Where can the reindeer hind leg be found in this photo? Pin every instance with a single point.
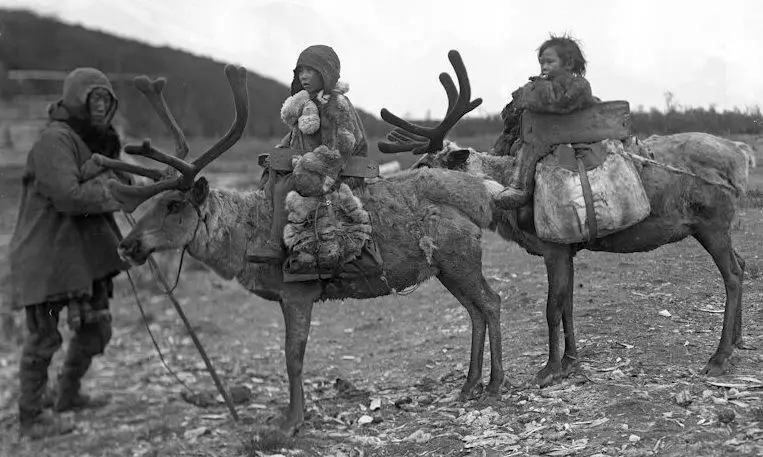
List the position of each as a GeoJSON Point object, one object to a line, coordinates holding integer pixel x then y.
{"type": "Point", "coordinates": [718, 244]}
{"type": "Point", "coordinates": [737, 339]}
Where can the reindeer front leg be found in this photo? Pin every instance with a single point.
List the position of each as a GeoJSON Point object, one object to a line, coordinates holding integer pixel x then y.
{"type": "Point", "coordinates": [558, 258]}
{"type": "Point", "coordinates": [297, 307]}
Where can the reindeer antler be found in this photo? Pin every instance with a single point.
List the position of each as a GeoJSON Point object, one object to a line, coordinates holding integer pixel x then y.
{"type": "Point", "coordinates": [411, 137]}
{"type": "Point", "coordinates": [132, 196]}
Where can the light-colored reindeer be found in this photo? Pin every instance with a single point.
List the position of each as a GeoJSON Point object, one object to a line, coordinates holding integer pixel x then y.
{"type": "Point", "coordinates": [427, 223]}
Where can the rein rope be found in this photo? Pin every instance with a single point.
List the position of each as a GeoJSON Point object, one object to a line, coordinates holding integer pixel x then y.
{"type": "Point", "coordinates": [151, 335]}
{"type": "Point", "coordinates": [185, 247]}
{"type": "Point", "coordinates": [168, 291]}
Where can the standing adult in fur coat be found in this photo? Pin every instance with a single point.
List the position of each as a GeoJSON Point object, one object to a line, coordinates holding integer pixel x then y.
{"type": "Point", "coordinates": [63, 253]}
{"type": "Point", "coordinates": [336, 131]}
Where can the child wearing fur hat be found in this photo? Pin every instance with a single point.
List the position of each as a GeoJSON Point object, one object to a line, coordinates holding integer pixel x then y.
{"type": "Point", "coordinates": [322, 120]}
{"type": "Point", "coordinates": [561, 88]}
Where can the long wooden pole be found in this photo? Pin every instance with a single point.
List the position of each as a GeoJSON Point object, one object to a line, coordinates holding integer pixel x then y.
{"type": "Point", "coordinates": [166, 287]}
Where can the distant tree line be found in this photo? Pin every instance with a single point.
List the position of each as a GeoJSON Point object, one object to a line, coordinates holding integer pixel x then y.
{"type": "Point", "coordinates": [198, 94]}
{"type": "Point", "coordinates": [674, 118]}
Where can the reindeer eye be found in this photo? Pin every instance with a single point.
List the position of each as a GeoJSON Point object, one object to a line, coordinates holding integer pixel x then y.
{"type": "Point", "coordinates": [174, 206]}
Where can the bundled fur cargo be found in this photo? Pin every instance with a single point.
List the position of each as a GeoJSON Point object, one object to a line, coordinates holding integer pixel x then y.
{"type": "Point", "coordinates": [618, 196]}
{"type": "Point", "coordinates": [325, 232]}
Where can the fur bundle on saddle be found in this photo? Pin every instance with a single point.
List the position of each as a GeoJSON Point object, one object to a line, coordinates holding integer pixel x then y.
{"type": "Point", "coordinates": [587, 187]}
{"type": "Point", "coordinates": [587, 191]}
{"type": "Point", "coordinates": [325, 232]}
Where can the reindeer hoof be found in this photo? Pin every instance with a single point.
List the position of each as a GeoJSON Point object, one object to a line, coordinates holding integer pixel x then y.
{"type": "Point", "coordinates": [740, 344]}
{"type": "Point", "coordinates": [547, 376]}
{"type": "Point", "coordinates": [471, 392]}
{"type": "Point", "coordinates": [286, 423]}
{"type": "Point", "coordinates": [717, 366]}
{"type": "Point", "coordinates": [569, 365]}
{"type": "Point", "coordinates": [489, 400]}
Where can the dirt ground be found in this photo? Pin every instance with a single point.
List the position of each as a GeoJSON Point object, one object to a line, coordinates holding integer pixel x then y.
{"type": "Point", "coordinates": [382, 374]}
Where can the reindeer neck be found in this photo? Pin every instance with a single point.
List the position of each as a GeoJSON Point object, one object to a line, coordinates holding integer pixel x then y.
{"type": "Point", "coordinates": [231, 222]}
{"type": "Point", "coordinates": [499, 168]}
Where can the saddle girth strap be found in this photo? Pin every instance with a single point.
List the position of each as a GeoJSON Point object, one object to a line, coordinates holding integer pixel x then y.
{"type": "Point", "coordinates": [280, 159]}
{"type": "Point", "coordinates": [593, 228]}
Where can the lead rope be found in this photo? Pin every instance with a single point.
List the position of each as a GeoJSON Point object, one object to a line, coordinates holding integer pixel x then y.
{"type": "Point", "coordinates": [160, 279]}
{"type": "Point", "coordinates": [151, 334]}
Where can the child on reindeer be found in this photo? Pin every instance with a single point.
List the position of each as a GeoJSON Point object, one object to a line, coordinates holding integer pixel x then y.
{"type": "Point", "coordinates": [561, 88]}
{"type": "Point", "coordinates": [325, 126]}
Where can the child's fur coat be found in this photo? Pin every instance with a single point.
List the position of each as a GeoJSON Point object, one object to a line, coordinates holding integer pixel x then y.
{"type": "Point", "coordinates": [560, 93]}
{"type": "Point", "coordinates": [324, 235]}
{"type": "Point", "coordinates": [339, 136]}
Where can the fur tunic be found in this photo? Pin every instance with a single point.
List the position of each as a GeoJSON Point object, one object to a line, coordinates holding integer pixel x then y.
{"type": "Point", "coordinates": [340, 136]}
{"type": "Point", "coordinates": [561, 93]}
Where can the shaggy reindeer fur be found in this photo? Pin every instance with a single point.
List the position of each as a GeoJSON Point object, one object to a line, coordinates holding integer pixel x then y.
{"type": "Point", "coordinates": [693, 183]}
{"type": "Point", "coordinates": [426, 223]}
{"type": "Point", "coordinates": [749, 152]}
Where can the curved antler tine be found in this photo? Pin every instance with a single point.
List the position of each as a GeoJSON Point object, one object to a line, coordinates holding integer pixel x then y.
{"type": "Point", "coordinates": [453, 94]}
{"type": "Point", "coordinates": [153, 91]}
{"type": "Point", "coordinates": [450, 89]}
{"type": "Point", "coordinates": [386, 147]}
{"type": "Point", "coordinates": [132, 196]}
{"type": "Point", "coordinates": [458, 106]}
{"type": "Point", "coordinates": [115, 164]}
{"type": "Point", "coordinates": [146, 150]}
{"type": "Point", "coordinates": [463, 105]}
{"type": "Point", "coordinates": [464, 88]}
{"type": "Point", "coordinates": [398, 134]}
{"type": "Point", "coordinates": [403, 124]}
{"type": "Point", "coordinates": [400, 140]}
{"type": "Point", "coordinates": [237, 81]}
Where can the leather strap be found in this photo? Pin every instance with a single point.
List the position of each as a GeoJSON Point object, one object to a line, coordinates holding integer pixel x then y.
{"type": "Point", "coordinates": [593, 228]}
{"type": "Point", "coordinates": [599, 122]}
{"type": "Point", "coordinates": [356, 166]}
{"type": "Point", "coordinates": [360, 167]}
{"type": "Point", "coordinates": [280, 159]}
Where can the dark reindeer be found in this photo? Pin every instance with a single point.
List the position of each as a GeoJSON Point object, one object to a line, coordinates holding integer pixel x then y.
{"type": "Point", "coordinates": [683, 204]}
{"type": "Point", "coordinates": [427, 223]}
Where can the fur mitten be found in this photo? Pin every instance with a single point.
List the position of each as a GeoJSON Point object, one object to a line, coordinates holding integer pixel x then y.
{"type": "Point", "coordinates": [316, 171]}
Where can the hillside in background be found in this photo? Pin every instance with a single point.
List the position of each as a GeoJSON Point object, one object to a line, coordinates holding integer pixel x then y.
{"type": "Point", "coordinates": [197, 91]}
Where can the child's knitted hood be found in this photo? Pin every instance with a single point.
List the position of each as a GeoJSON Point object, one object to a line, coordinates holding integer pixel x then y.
{"type": "Point", "coordinates": [324, 60]}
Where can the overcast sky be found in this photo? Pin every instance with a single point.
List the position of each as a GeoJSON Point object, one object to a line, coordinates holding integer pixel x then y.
{"type": "Point", "coordinates": [704, 51]}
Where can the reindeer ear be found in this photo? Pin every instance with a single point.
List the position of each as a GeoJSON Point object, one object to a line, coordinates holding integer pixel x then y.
{"type": "Point", "coordinates": [425, 161]}
{"type": "Point", "coordinates": [200, 190]}
{"type": "Point", "coordinates": [457, 158]}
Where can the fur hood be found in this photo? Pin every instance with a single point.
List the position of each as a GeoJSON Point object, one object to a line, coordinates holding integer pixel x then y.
{"type": "Point", "coordinates": [77, 87]}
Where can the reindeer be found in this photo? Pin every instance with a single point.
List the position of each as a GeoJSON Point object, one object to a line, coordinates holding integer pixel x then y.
{"type": "Point", "coordinates": [427, 223]}
{"type": "Point", "coordinates": [684, 202]}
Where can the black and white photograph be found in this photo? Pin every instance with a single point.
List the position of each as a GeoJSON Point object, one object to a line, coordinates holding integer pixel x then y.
{"type": "Point", "coordinates": [381, 228]}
